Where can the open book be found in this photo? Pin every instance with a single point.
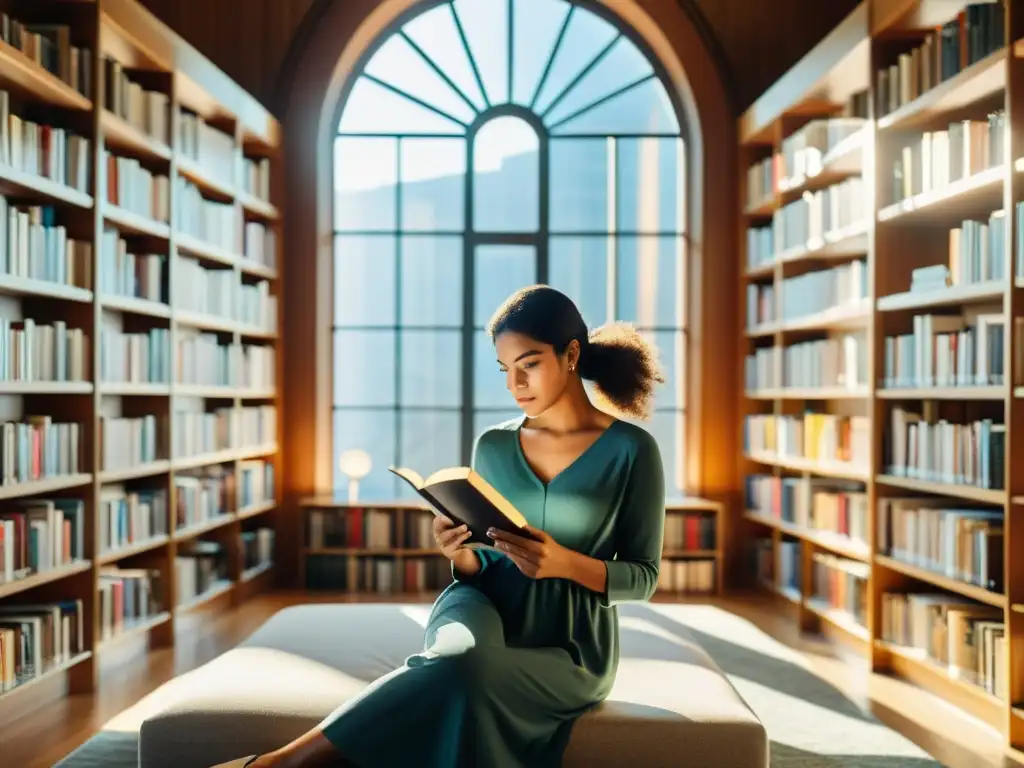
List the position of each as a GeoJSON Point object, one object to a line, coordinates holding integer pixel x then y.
{"type": "Point", "coordinates": [465, 498]}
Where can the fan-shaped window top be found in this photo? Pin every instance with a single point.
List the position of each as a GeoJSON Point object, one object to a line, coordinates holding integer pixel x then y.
{"type": "Point", "coordinates": [577, 72]}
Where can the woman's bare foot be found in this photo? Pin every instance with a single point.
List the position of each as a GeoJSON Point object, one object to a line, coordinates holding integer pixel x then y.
{"type": "Point", "coordinates": [311, 750]}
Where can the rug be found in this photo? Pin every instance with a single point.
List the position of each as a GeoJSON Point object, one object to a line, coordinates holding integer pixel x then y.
{"type": "Point", "coordinates": [811, 723]}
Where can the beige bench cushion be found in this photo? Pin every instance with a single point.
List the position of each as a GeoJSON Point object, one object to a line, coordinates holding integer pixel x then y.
{"type": "Point", "coordinates": [671, 705]}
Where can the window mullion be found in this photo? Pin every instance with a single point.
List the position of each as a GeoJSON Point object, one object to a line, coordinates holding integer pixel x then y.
{"type": "Point", "coordinates": [468, 303]}
{"type": "Point", "coordinates": [612, 264]}
{"type": "Point", "coordinates": [398, 304]}
{"type": "Point", "coordinates": [509, 53]}
{"type": "Point", "coordinates": [543, 259]}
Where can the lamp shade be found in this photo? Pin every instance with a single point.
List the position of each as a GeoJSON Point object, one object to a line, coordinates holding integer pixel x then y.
{"type": "Point", "coordinates": [355, 463]}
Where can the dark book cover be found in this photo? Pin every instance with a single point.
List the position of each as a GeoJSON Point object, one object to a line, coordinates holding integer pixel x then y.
{"type": "Point", "coordinates": [465, 498]}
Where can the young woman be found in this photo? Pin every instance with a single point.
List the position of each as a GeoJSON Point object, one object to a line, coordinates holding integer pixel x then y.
{"type": "Point", "coordinates": [525, 639]}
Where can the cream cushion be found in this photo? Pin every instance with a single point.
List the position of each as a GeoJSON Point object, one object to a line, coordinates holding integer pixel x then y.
{"type": "Point", "coordinates": [671, 705]}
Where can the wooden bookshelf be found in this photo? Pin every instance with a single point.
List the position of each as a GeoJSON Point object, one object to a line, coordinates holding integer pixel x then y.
{"type": "Point", "coordinates": [155, 334]}
{"type": "Point", "coordinates": [338, 542]}
{"type": "Point", "coordinates": [824, 491]}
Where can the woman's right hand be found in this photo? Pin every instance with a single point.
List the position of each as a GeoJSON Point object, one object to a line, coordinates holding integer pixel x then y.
{"type": "Point", "coordinates": [450, 538]}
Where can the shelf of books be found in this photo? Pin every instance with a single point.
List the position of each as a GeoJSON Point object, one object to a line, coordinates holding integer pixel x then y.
{"type": "Point", "coordinates": [363, 548]}
{"type": "Point", "coordinates": [138, 327]}
{"type": "Point", "coordinates": [881, 209]}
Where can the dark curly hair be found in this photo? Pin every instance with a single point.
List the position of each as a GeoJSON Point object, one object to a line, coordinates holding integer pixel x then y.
{"type": "Point", "coordinates": [622, 364]}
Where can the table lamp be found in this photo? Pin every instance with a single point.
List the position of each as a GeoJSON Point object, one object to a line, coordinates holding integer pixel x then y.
{"type": "Point", "coordinates": [355, 464]}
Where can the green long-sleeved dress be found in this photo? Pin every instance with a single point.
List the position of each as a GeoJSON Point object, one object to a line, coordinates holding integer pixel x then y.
{"type": "Point", "coordinates": [510, 662]}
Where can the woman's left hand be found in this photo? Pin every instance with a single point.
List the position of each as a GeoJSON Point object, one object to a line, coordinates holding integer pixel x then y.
{"type": "Point", "coordinates": [539, 558]}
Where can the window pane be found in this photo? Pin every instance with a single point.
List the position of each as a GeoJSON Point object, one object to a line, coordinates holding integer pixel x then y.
{"type": "Point", "coordinates": [668, 428]}
{"type": "Point", "coordinates": [578, 186]}
{"type": "Point", "coordinates": [431, 368]}
{"type": "Point", "coordinates": [578, 267]}
{"type": "Point", "coordinates": [430, 440]}
{"type": "Point", "coordinates": [373, 432]}
{"type": "Point", "coordinates": [673, 366]}
{"type": "Point", "coordinates": [433, 184]}
{"type": "Point", "coordinates": [489, 390]}
{"type": "Point", "coordinates": [436, 34]}
{"type": "Point", "coordinates": [372, 108]}
{"type": "Point", "coordinates": [584, 38]}
{"type": "Point", "coordinates": [645, 108]}
{"type": "Point", "coordinates": [485, 23]}
{"type": "Point", "coordinates": [432, 280]}
{"type": "Point", "coordinates": [506, 177]}
{"type": "Point", "coordinates": [484, 419]}
{"type": "Point", "coordinates": [364, 368]}
{"type": "Point", "coordinates": [649, 179]}
{"type": "Point", "coordinates": [650, 281]}
{"type": "Point", "coordinates": [536, 26]}
{"type": "Point", "coordinates": [398, 64]}
{"type": "Point", "coordinates": [622, 65]}
{"type": "Point", "coordinates": [364, 280]}
{"type": "Point", "coordinates": [365, 175]}
{"type": "Point", "coordinates": [500, 270]}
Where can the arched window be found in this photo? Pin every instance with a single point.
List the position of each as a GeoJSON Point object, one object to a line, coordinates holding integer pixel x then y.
{"type": "Point", "coordinates": [486, 145]}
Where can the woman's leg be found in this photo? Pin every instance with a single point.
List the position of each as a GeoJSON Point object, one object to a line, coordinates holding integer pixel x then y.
{"type": "Point", "coordinates": [395, 720]}
{"type": "Point", "coordinates": [462, 618]}
{"type": "Point", "coordinates": [310, 750]}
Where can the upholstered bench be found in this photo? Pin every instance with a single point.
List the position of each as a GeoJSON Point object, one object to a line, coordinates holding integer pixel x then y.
{"type": "Point", "coordinates": [671, 705]}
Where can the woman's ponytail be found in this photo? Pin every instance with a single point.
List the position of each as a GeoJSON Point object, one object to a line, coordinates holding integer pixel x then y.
{"type": "Point", "coordinates": [623, 366]}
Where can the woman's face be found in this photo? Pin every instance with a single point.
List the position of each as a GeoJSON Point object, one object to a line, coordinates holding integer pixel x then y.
{"type": "Point", "coordinates": [534, 374]}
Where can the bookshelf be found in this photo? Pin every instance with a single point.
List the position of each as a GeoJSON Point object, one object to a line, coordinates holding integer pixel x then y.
{"type": "Point", "coordinates": [140, 247]}
{"type": "Point", "coordinates": [387, 547]}
{"type": "Point", "coordinates": [883, 260]}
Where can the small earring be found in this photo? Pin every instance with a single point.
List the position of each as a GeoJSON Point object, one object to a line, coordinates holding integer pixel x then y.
{"type": "Point", "coordinates": [572, 367]}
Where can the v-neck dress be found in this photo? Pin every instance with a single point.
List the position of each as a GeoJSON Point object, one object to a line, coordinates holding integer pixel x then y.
{"type": "Point", "coordinates": [509, 662]}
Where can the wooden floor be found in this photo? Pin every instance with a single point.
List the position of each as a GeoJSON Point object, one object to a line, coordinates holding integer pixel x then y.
{"type": "Point", "coordinates": [40, 739]}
